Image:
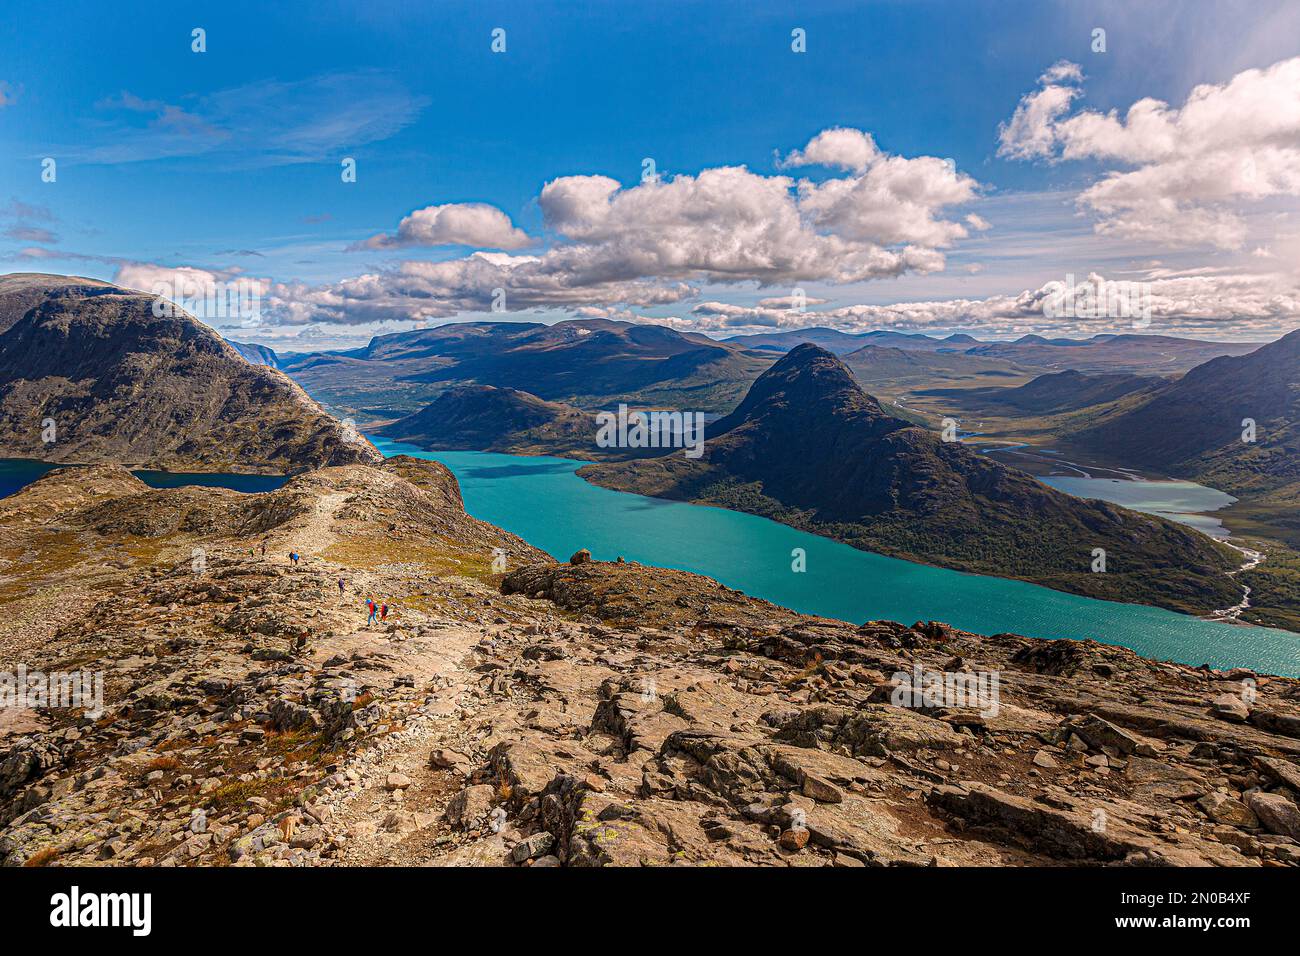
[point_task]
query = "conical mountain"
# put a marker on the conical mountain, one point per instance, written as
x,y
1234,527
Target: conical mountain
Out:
x,y
810,448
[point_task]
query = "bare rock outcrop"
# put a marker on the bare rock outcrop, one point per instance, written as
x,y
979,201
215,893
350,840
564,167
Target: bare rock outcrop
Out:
x,y
93,373
597,714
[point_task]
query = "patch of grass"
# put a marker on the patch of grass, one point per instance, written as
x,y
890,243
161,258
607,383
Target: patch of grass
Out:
x,y
446,558
814,667
234,796
50,553
54,553
423,602
143,550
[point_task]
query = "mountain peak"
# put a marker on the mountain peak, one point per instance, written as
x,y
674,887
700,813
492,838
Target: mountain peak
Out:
x,y
806,381
812,362
807,354
809,447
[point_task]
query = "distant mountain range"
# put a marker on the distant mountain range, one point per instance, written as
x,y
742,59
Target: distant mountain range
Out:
x,y
594,363
1070,390
918,367
1153,354
486,418
842,343
89,373
1144,354
810,448
586,362
1196,424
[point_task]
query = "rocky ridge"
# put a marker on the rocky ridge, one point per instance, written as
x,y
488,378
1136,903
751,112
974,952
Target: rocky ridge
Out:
x,y
92,373
583,713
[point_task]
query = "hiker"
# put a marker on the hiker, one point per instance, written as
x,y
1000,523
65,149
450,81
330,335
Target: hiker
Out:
x,y
370,605
263,549
293,556
383,613
340,589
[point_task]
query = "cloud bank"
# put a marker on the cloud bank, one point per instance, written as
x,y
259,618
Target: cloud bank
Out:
x,y
656,242
1184,169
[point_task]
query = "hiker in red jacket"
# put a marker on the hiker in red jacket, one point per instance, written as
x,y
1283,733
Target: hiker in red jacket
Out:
x,y
370,606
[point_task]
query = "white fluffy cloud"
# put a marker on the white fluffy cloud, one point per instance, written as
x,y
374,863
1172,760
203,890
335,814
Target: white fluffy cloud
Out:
x,y
730,224
454,224
184,281
896,201
1201,302
1198,303
1030,133
1187,170
655,242
414,291
839,148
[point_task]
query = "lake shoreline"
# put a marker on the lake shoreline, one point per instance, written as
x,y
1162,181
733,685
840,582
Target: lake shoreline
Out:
x,y
753,554
17,473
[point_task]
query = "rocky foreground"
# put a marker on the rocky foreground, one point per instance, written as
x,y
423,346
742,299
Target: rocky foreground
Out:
x,y
564,714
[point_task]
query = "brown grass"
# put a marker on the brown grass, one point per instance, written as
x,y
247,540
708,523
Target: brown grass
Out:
x,y
807,672
444,558
43,857
233,796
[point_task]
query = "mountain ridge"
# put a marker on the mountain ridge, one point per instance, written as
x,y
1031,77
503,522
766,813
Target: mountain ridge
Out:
x,y
810,448
1197,424
584,362
96,374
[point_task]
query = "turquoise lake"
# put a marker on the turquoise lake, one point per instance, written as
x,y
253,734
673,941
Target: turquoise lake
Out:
x,y
17,473
1182,501
544,502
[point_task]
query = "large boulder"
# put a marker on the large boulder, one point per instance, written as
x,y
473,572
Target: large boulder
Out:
x,y
1278,814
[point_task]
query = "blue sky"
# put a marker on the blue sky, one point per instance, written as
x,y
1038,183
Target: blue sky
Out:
x,y
227,161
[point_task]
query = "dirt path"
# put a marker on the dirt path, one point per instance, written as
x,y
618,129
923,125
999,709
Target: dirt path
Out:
x,y
396,795
313,534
